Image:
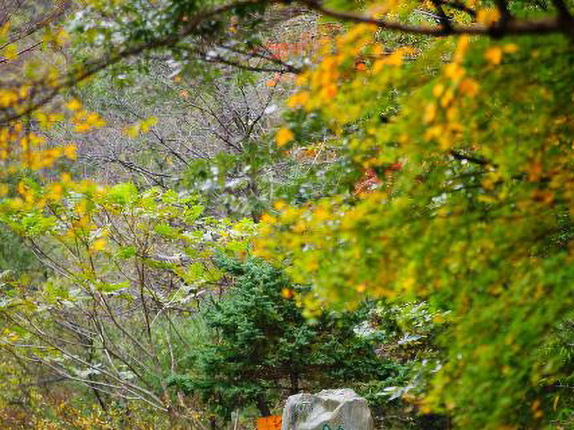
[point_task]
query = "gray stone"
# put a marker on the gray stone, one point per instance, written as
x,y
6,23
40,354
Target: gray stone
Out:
x,y
328,410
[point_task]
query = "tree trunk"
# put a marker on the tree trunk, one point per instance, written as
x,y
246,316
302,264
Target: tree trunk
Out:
x,y
294,378
212,423
262,405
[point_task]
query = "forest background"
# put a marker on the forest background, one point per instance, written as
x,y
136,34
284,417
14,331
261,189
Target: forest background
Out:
x,y
207,206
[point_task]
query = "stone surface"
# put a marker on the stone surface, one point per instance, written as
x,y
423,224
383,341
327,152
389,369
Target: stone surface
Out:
x,y
328,410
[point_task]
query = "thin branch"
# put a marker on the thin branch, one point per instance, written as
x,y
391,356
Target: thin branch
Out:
x,y
31,48
475,160
44,21
547,25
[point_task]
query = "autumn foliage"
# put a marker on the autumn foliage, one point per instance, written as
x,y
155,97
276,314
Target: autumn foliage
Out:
x,y
403,169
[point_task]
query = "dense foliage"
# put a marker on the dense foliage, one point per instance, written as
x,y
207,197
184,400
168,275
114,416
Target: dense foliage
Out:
x,y
206,206
478,216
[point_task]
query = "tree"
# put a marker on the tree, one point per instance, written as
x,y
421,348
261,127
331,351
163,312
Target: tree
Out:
x,y
128,269
261,346
477,218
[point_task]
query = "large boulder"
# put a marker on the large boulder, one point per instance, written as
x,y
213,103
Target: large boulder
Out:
x,y
328,410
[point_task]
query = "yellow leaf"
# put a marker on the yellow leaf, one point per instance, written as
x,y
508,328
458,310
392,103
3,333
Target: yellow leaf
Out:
x,y
133,131
486,199
409,283
5,29
298,100
451,114
378,66
55,191
284,135
438,90
279,205
267,219
510,48
329,91
92,119
395,59
493,55
66,178
461,48
447,98
62,37
70,151
488,16
430,113
98,244
8,98
454,71
74,105
438,319
24,91
555,403
469,87
82,128
148,123
11,52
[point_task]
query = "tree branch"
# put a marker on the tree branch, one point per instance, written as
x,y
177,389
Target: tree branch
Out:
x,y
547,25
475,160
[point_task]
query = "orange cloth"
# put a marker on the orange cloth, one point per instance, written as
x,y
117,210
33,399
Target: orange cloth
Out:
x,y
269,423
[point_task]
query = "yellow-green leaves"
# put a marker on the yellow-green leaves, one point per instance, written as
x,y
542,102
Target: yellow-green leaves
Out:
x,y
284,136
474,217
10,52
140,127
